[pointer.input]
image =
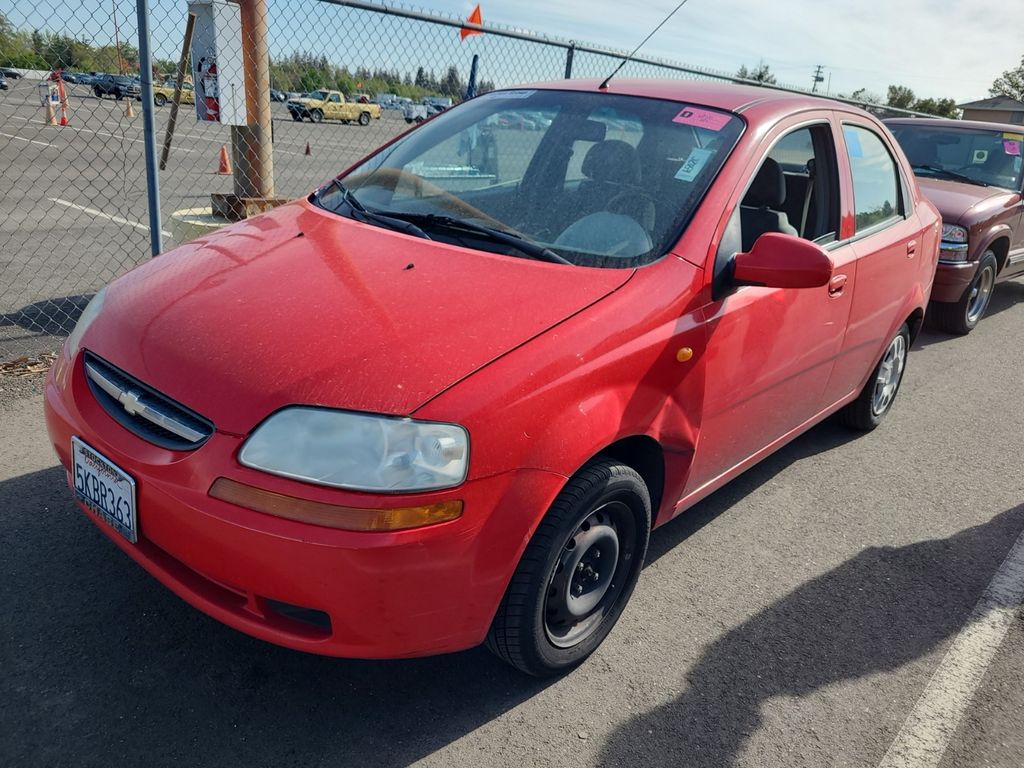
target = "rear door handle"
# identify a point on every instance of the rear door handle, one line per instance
(836, 285)
(911, 248)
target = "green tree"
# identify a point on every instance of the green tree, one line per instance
(1010, 83)
(451, 85)
(900, 96)
(761, 74)
(937, 107)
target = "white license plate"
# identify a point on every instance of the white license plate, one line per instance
(104, 488)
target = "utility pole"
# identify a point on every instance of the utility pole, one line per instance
(818, 78)
(117, 38)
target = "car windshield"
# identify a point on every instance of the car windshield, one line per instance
(972, 155)
(594, 179)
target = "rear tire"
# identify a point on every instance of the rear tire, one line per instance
(159, 99)
(876, 399)
(364, 118)
(577, 573)
(296, 117)
(962, 317)
(97, 92)
(316, 116)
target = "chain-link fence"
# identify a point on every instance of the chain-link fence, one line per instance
(73, 208)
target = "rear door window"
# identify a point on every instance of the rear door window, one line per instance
(877, 198)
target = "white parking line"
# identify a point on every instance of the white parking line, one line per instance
(102, 215)
(31, 141)
(923, 739)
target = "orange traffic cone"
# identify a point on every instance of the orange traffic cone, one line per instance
(129, 110)
(63, 114)
(308, 151)
(62, 94)
(225, 161)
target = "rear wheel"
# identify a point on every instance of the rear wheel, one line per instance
(577, 572)
(876, 399)
(963, 316)
(364, 118)
(316, 116)
(97, 92)
(296, 117)
(159, 99)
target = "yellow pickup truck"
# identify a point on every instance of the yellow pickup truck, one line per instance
(332, 105)
(165, 93)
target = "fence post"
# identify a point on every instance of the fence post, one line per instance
(149, 127)
(568, 60)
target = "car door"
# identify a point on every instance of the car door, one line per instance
(889, 242)
(770, 351)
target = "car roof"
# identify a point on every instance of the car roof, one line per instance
(945, 122)
(731, 97)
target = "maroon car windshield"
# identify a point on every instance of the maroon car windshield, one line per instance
(598, 179)
(973, 155)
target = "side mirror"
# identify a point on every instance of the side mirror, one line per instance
(782, 261)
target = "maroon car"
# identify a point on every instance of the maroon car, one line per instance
(972, 172)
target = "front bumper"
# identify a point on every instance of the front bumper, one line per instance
(952, 279)
(341, 593)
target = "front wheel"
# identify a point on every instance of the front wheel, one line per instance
(159, 99)
(364, 118)
(577, 572)
(876, 399)
(961, 317)
(97, 92)
(296, 117)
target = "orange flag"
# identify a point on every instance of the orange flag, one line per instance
(474, 18)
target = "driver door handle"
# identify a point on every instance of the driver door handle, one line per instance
(836, 285)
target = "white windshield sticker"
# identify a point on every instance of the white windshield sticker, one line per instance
(694, 164)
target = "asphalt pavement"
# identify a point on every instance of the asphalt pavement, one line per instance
(798, 617)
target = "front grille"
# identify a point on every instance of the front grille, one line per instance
(144, 411)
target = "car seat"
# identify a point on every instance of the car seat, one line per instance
(760, 209)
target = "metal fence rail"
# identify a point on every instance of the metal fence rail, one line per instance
(74, 206)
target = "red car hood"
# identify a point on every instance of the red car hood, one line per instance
(956, 198)
(303, 306)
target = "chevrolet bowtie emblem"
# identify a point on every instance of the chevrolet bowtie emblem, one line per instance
(131, 401)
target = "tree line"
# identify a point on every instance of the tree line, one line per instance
(300, 71)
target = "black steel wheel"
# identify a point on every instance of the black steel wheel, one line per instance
(159, 99)
(316, 116)
(577, 572)
(364, 118)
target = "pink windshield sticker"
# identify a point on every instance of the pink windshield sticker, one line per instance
(1011, 146)
(702, 118)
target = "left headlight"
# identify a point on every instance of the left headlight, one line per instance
(89, 314)
(361, 452)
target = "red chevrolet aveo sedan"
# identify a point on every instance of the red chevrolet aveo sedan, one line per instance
(444, 399)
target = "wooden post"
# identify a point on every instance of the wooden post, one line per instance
(190, 26)
(252, 143)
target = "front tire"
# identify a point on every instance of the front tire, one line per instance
(577, 573)
(159, 99)
(962, 317)
(876, 399)
(296, 117)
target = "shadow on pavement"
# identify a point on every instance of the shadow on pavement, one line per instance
(103, 666)
(874, 613)
(52, 317)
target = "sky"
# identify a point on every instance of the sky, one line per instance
(939, 48)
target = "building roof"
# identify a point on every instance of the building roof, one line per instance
(996, 102)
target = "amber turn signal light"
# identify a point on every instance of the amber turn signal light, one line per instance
(333, 515)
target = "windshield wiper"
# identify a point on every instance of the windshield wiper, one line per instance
(527, 247)
(949, 174)
(361, 213)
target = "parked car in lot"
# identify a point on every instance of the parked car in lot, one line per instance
(11, 73)
(276, 95)
(118, 86)
(324, 104)
(4, 86)
(164, 93)
(417, 412)
(972, 172)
